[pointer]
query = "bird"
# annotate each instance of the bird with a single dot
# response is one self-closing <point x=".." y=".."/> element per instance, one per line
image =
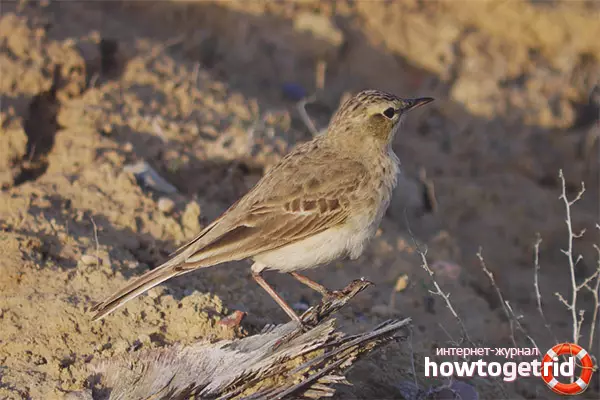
<point x="322" y="201"/>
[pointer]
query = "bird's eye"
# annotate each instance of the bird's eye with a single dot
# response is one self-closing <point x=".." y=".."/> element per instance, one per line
<point x="389" y="113"/>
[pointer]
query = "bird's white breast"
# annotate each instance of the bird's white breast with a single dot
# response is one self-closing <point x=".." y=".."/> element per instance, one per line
<point x="347" y="239"/>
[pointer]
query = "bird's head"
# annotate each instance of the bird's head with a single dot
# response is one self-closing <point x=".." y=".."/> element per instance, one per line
<point x="372" y="114"/>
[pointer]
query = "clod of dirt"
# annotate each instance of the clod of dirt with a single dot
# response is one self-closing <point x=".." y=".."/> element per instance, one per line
<point x="165" y="205"/>
<point x="191" y="218"/>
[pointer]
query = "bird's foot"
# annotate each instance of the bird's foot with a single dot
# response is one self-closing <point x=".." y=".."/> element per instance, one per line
<point x="333" y="295"/>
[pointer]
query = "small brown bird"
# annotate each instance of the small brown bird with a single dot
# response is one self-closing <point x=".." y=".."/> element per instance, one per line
<point x="323" y="200"/>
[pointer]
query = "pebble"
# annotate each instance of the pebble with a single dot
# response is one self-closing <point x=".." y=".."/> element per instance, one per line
<point x="89" y="259"/>
<point x="401" y="283"/>
<point x="190" y="217"/>
<point x="79" y="395"/>
<point x="148" y="176"/>
<point x="166" y="205"/>
<point x="320" y="26"/>
<point x="232" y="320"/>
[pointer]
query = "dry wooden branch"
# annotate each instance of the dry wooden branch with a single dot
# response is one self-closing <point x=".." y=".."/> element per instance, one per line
<point x="283" y="361"/>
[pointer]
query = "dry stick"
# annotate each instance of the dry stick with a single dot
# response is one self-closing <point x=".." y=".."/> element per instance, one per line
<point x="412" y="358"/>
<point x="446" y="297"/>
<point x="160" y="49"/>
<point x="320" y="70"/>
<point x="499" y="293"/>
<point x="301" y="106"/>
<point x="512" y="318"/>
<point x="452" y="341"/>
<point x="195" y="74"/>
<point x="536" y="265"/>
<point x="96" y="239"/>
<point x="572" y="307"/>
<point x="520" y="327"/>
<point x="595" y="293"/>
<point x="438" y="292"/>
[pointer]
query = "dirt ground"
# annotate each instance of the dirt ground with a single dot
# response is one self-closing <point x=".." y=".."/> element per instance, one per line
<point x="207" y="92"/>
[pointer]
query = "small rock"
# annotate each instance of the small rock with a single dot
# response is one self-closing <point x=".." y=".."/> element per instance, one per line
<point x="300" y="306"/>
<point x="320" y="26"/>
<point x="79" y="395"/>
<point x="88" y="259"/>
<point x="232" y="320"/>
<point x="401" y="283"/>
<point x="149" y="177"/>
<point x="190" y="218"/>
<point x="166" y="205"/>
<point x="106" y="129"/>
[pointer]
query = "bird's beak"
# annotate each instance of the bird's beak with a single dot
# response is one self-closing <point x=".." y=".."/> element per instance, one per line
<point x="411" y="104"/>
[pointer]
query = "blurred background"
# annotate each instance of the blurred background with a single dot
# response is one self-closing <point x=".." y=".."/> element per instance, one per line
<point x="125" y="127"/>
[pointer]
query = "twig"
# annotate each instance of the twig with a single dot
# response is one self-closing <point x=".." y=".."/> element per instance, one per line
<point x="595" y="293"/>
<point x="510" y="314"/>
<point x="520" y="327"/>
<point x="412" y="358"/>
<point x="159" y="49"/>
<point x="93" y="80"/>
<point x="452" y="341"/>
<point x="580" y="321"/>
<point x="195" y="74"/>
<point x="536" y="265"/>
<point x="429" y="187"/>
<point x="96" y="240"/>
<point x="438" y="289"/>
<point x="572" y="307"/>
<point x="320" y="74"/>
<point x="499" y="293"/>
<point x="301" y="106"/>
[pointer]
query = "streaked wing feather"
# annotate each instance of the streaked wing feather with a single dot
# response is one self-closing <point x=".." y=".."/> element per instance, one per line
<point x="275" y="229"/>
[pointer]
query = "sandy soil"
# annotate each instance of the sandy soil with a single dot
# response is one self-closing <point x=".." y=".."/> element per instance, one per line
<point x="202" y="92"/>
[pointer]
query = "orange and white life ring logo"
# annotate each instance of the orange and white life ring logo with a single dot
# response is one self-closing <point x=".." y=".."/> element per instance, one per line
<point x="549" y="369"/>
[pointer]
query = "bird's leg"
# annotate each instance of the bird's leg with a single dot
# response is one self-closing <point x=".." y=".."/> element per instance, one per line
<point x="326" y="293"/>
<point x="288" y="310"/>
<point x="310" y="283"/>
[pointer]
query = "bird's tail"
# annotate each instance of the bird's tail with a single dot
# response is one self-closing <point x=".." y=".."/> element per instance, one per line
<point x="134" y="289"/>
